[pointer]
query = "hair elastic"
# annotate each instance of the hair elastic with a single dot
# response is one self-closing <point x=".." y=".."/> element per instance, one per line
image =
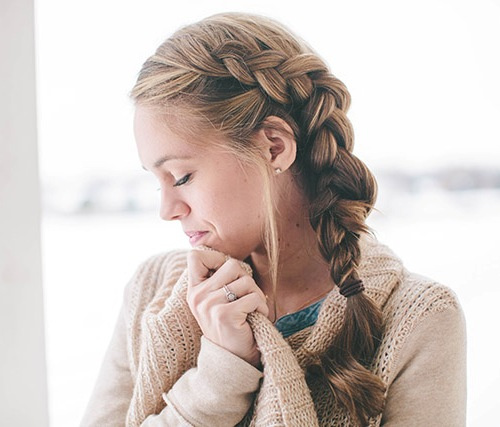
<point x="351" y="287"/>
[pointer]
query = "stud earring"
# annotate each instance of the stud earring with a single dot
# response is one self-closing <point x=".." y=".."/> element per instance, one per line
<point x="278" y="171"/>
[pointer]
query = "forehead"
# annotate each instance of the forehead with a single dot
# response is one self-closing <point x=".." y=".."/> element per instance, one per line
<point x="151" y="122"/>
<point x="155" y="131"/>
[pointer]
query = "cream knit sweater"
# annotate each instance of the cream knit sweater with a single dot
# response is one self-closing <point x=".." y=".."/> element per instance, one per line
<point x="159" y="371"/>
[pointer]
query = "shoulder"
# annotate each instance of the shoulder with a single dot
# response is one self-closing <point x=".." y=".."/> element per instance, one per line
<point x="400" y="293"/>
<point x="417" y="297"/>
<point x="419" y="315"/>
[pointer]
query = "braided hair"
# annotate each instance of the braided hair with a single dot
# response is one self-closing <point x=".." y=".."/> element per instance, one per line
<point x="234" y="71"/>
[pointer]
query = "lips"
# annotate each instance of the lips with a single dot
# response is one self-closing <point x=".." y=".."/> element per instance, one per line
<point x="195" y="236"/>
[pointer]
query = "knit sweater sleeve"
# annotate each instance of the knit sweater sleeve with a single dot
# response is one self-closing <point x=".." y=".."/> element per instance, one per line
<point x="218" y="391"/>
<point x="111" y="396"/>
<point x="429" y="388"/>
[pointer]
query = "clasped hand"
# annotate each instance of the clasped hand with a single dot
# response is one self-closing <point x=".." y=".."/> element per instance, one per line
<point x="221" y="321"/>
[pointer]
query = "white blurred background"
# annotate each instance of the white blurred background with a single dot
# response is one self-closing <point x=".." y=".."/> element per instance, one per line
<point x="426" y="106"/>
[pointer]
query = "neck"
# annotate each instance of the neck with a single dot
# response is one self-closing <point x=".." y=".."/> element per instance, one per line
<point x="303" y="274"/>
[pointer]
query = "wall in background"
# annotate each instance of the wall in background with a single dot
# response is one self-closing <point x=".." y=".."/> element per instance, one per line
<point x="23" y="382"/>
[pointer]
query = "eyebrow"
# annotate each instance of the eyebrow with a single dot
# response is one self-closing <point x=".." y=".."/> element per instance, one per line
<point x="164" y="159"/>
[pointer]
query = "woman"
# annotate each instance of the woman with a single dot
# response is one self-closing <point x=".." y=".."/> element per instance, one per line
<point x="286" y="312"/>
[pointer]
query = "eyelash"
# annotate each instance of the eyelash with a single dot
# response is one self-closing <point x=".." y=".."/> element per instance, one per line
<point x="183" y="180"/>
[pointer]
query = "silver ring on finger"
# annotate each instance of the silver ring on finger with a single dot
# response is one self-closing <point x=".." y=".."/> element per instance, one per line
<point x="230" y="296"/>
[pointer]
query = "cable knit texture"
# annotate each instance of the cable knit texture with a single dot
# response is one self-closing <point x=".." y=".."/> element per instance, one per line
<point x="164" y="339"/>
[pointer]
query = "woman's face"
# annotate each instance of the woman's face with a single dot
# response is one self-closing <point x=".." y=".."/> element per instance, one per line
<point x="217" y="198"/>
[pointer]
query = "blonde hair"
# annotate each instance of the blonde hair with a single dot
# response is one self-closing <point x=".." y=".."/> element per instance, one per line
<point x="232" y="71"/>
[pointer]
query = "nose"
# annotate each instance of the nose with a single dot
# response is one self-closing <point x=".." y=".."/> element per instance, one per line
<point x="172" y="207"/>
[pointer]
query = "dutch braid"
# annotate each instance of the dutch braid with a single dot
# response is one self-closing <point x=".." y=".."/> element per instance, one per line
<point x="237" y="70"/>
<point x="342" y="192"/>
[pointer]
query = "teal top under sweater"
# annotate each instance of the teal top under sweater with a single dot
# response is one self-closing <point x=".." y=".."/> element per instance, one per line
<point x="294" y="322"/>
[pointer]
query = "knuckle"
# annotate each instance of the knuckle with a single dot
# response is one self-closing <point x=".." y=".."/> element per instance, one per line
<point x="248" y="281"/>
<point x="259" y="299"/>
<point x="192" y="257"/>
<point x="232" y="263"/>
<point x="255" y="298"/>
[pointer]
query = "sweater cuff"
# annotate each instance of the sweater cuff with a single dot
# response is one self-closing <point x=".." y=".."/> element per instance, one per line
<point x="218" y="391"/>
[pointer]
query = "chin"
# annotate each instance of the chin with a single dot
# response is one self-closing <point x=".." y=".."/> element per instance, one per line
<point x="236" y="249"/>
<point x="236" y="253"/>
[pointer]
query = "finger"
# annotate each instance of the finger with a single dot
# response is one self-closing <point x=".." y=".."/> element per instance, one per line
<point x="202" y="264"/>
<point x="251" y="302"/>
<point x="229" y="272"/>
<point x="240" y="287"/>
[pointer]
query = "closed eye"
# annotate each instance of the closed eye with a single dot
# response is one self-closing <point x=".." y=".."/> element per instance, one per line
<point x="183" y="180"/>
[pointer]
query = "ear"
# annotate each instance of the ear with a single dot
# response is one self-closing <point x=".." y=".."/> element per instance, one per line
<point x="278" y="142"/>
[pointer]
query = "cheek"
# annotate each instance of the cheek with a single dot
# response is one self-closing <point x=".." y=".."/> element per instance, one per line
<point x="247" y="203"/>
<point x="235" y="204"/>
<point x="234" y="196"/>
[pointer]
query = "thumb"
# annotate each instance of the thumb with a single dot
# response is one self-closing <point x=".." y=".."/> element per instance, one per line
<point x="201" y="264"/>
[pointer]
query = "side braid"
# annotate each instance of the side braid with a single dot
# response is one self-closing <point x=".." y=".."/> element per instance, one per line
<point x="342" y="192"/>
